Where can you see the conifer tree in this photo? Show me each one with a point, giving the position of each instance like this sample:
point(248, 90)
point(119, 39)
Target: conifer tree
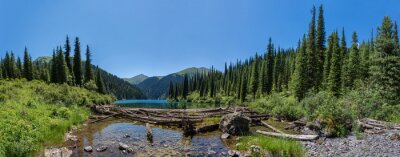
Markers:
point(88, 65)
point(54, 75)
point(270, 66)
point(352, 70)
point(99, 82)
point(13, 73)
point(77, 67)
point(185, 91)
point(254, 77)
point(312, 56)
point(28, 66)
point(386, 63)
point(320, 46)
point(396, 36)
point(62, 69)
point(299, 79)
point(67, 47)
point(327, 62)
point(19, 67)
point(334, 79)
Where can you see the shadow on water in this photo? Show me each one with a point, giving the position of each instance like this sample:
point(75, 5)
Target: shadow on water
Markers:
point(166, 140)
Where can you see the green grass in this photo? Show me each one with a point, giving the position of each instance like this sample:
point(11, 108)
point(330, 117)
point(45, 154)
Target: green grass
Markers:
point(210, 121)
point(35, 114)
point(272, 146)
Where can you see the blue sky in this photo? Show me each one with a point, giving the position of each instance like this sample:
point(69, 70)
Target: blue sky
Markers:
point(130, 37)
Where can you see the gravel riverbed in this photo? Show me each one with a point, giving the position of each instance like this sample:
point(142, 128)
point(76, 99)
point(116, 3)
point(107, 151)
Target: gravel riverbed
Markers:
point(386, 144)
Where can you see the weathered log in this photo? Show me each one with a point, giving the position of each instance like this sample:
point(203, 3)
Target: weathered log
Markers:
point(207, 128)
point(271, 127)
point(103, 118)
point(290, 136)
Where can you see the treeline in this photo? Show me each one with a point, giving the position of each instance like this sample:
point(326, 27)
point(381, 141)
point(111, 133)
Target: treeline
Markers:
point(62, 68)
point(311, 67)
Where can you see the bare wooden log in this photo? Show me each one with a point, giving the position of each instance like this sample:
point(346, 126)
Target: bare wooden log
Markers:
point(207, 128)
point(103, 118)
point(271, 127)
point(290, 136)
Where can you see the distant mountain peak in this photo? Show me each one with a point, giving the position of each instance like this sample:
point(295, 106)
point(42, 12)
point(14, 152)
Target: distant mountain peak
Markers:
point(193, 70)
point(136, 79)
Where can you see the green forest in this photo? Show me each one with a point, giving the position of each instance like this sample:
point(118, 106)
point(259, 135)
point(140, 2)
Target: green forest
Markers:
point(321, 79)
point(44, 98)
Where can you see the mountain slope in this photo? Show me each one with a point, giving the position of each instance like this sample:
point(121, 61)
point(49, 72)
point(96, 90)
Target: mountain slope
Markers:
point(136, 79)
point(157, 87)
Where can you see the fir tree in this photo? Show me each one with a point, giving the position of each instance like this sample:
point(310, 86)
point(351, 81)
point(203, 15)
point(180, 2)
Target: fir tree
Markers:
point(99, 82)
point(352, 70)
point(320, 46)
point(299, 80)
point(386, 63)
point(67, 47)
point(254, 77)
point(334, 79)
point(77, 67)
point(88, 65)
point(312, 56)
point(270, 66)
point(28, 69)
point(62, 69)
point(54, 75)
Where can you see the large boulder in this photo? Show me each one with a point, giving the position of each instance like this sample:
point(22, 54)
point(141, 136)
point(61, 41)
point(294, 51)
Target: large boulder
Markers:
point(235, 124)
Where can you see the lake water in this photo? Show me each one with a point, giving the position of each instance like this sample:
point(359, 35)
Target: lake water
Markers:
point(163, 104)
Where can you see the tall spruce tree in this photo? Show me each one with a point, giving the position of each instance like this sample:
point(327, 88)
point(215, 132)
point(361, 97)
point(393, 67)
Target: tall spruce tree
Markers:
point(312, 56)
point(62, 69)
point(67, 47)
point(54, 75)
point(99, 82)
point(77, 67)
point(28, 66)
point(386, 63)
point(299, 79)
point(352, 70)
point(88, 65)
point(270, 66)
point(320, 46)
point(254, 77)
point(334, 79)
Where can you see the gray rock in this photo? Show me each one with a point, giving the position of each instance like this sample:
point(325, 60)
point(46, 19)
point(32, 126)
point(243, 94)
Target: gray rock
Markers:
point(127, 135)
point(88, 149)
point(255, 151)
point(123, 146)
point(101, 149)
point(235, 124)
point(233, 153)
point(211, 152)
point(225, 136)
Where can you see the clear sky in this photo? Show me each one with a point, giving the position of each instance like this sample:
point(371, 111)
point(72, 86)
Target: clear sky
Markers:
point(130, 37)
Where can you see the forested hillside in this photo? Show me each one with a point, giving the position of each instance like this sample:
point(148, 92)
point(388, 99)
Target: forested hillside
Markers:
point(322, 78)
point(157, 87)
point(63, 68)
point(136, 79)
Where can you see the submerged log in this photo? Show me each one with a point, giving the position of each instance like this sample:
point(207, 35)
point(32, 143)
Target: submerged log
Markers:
point(105, 117)
point(290, 136)
point(207, 128)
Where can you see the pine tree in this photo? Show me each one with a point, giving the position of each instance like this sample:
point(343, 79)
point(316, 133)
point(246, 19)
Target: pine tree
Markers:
point(270, 66)
point(312, 56)
point(396, 37)
point(54, 75)
point(320, 46)
point(334, 79)
point(19, 67)
point(254, 77)
point(13, 73)
point(88, 65)
point(386, 63)
point(67, 47)
point(352, 70)
point(62, 69)
point(327, 62)
point(99, 82)
point(77, 67)
point(299, 79)
point(28, 69)
point(263, 77)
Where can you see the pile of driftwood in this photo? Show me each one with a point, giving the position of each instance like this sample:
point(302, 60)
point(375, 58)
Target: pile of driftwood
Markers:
point(173, 117)
point(281, 134)
point(372, 126)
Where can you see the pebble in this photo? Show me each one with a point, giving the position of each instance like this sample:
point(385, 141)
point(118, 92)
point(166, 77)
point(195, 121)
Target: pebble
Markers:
point(88, 149)
point(101, 149)
point(367, 145)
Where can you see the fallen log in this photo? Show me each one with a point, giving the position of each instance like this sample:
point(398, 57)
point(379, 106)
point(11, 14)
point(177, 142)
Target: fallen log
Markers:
point(104, 118)
point(207, 128)
point(289, 136)
point(271, 127)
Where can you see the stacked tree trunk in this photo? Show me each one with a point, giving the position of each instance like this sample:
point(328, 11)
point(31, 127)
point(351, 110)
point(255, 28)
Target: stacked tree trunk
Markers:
point(374, 126)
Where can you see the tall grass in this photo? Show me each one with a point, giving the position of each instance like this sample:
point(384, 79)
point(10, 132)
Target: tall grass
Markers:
point(272, 146)
point(34, 114)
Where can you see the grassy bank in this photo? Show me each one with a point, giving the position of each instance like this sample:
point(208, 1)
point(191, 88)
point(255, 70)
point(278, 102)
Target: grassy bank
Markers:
point(271, 146)
point(34, 114)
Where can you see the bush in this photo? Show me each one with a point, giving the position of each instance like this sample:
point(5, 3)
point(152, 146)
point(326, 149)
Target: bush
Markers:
point(34, 114)
point(278, 106)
